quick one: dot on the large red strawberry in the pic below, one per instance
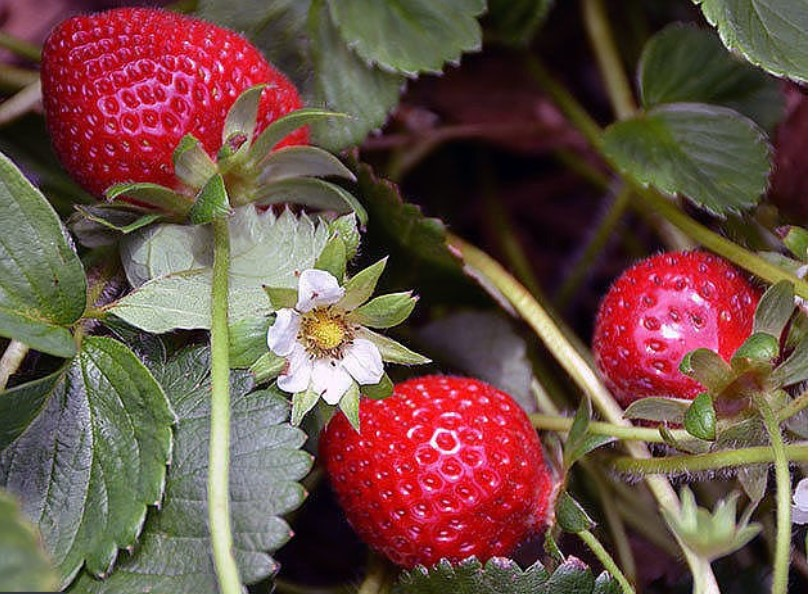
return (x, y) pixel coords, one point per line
(122, 87)
(445, 467)
(662, 308)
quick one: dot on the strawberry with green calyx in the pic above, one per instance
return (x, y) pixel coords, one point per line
(123, 88)
(662, 308)
(447, 467)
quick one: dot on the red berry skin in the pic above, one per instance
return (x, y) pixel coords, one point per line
(122, 87)
(662, 308)
(445, 467)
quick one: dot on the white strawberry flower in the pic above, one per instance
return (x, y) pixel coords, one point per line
(320, 342)
(800, 500)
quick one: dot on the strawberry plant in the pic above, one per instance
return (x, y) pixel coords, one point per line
(399, 296)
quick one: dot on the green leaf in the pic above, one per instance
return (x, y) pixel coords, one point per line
(281, 298)
(360, 287)
(211, 203)
(192, 164)
(266, 250)
(302, 403)
(795, 240)
(769, 33)
(708, 368)
(409, 36)
(42, 283)
(346, 83)
(301, 161)
(658, 409)
(500, 576)
(700, 418)
(775, 309)
(385, 311)
(712, 155)
(95, 457)
(20, 405)
(570, 516)
(310, 192)
(483, 344)
(268, 367)
(266, 463)
(333, 258)
(515, 22)
(392, 351)
(346, 227)
(24, 567)
(380, 390)
(248, 341)
(350, 405)
(151, 195)
(686, 64)
(580, 441)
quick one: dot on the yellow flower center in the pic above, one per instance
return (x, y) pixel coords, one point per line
(324, 331)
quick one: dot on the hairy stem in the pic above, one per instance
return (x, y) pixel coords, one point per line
(609, 62)
(624, 432)
(783, 535)
(793, 408)
(219, 448)
(710, 461)
(480, 265)
(606, 560)
(11, 360)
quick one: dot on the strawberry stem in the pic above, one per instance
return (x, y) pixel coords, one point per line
(783, 530)
(710, 461)
(219, 446)
(624, 432)
(606, 560)
(11, 360)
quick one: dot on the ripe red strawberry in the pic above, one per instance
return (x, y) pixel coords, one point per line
(122, 87)
(662, 308)
(445, 467)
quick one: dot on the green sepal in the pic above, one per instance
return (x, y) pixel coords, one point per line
(759, 347)
(570, 516)
(281, 297)
(392, 351)
(192, 164)
(301, 161)
(311, 192)
(350, 405)
(775, 309)
(385, 311)
(302, 403)
(116, 217)
(580, 441)
(380, 390)
(700, 418)
(242, 116)
(153, 195)
(691, 446)
(268, 367)
(248, 341)
(795, 240)
(211, 203)
(333, 258)
(708, 368)
(794, 369)
(281, 128)
(658, 409)
(360, 287)
(346, 227)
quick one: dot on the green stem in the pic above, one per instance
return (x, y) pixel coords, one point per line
(13, 78)
(219, 448)
(377, 578)
(22, 48)
(606, 560)
(783, 531)
(594, 247)
(609, 62)
(710, 461)
(20, 103)
(583, 375)
(793, 408)
(11, 360)
(623, 432)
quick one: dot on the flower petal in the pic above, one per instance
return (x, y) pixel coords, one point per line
(317, 288)
(298, 373)
(363, 361)
(282, 335)
(330, 380)
(800, 513)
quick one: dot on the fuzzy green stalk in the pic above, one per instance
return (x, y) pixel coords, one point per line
(20, 47)
(783, 530)
(606, 560)
(623, 432)
(710, 461)
(219, 446)
(11, 360)
(609, 62)
(482, 266)
(793, 408)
